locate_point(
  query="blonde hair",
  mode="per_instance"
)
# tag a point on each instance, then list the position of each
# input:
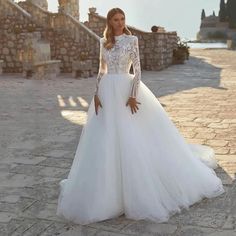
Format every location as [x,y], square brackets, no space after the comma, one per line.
[109,32]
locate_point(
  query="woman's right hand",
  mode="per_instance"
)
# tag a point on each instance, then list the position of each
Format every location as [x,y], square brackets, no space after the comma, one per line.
[133,104]
[97,103]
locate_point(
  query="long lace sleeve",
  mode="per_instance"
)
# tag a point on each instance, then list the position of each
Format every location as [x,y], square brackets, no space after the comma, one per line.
[102,66]
[136,67]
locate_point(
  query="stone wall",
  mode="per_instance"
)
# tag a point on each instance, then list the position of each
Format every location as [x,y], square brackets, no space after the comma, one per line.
[70,7]
[69,42]
[69,39]
[42,3]
[15,23]
[156,49]
[43,17]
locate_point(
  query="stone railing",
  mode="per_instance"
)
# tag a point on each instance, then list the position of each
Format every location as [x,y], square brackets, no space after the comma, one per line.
[17,29]
[73,26]
[14,23]
[69,38]
[72,41]
[51,20]
[8,6]
[43,17]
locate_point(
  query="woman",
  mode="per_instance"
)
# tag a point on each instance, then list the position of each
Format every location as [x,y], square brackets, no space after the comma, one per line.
[131,159]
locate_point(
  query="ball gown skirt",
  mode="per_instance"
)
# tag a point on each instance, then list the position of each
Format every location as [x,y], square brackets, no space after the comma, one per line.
[134,164]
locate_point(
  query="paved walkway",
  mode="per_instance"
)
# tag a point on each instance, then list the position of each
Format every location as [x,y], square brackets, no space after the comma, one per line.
[41,121]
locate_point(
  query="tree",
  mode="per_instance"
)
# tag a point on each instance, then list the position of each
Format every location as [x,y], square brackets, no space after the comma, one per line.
[231,12]
[222,12]
[203,14]
[214,13]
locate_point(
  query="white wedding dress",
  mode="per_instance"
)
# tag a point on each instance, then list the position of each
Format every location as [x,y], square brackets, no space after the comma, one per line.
[133,164]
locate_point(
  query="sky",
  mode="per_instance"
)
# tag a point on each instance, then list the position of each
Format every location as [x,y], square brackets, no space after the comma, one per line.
[183,16]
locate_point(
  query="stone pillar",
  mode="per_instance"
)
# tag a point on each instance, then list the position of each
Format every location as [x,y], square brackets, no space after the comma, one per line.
[231,44]
[70,7]
[41,3]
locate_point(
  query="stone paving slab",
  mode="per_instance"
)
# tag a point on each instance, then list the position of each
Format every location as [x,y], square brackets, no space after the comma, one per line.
[41,122]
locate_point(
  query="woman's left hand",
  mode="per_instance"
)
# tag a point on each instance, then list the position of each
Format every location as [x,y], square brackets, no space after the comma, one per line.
[133,104]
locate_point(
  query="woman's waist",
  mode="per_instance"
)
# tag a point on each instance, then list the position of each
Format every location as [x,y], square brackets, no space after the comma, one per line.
[118,75]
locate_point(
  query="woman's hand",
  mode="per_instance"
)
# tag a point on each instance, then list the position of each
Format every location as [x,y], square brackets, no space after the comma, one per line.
[97,103]
[133,104]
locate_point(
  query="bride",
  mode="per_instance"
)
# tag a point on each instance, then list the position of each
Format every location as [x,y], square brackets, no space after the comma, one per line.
[131,159]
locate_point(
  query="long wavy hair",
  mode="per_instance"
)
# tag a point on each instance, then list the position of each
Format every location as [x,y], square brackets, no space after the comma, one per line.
[108,33]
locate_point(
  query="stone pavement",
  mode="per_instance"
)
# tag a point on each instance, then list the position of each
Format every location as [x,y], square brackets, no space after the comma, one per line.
[41,121]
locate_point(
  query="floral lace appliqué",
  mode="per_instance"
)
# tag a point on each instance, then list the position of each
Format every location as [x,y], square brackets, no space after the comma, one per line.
[119,59]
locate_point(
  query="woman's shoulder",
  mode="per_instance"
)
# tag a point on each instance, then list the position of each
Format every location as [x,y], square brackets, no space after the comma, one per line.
[129,37]
[132,38]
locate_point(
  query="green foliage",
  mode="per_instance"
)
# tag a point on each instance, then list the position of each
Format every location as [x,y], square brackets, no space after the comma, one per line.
[181,53]
[231,12]
[217,35]
[203,14]
[223,11]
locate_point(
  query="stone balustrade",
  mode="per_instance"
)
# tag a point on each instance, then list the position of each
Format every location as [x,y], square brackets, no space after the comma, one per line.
[82,69]
[10,7]
[70,40]
[46,69]
[43,17]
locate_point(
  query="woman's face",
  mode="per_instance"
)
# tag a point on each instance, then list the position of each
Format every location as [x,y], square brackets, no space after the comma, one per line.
[118,22]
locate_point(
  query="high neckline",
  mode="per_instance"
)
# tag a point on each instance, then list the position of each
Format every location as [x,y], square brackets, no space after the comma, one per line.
[119,36]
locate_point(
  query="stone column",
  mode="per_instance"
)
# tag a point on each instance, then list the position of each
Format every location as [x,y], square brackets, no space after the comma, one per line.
[70,7]
[75,8]
[41,3]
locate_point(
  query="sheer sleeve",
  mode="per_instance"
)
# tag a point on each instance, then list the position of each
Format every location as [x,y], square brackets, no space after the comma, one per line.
[102,66]
[136,68]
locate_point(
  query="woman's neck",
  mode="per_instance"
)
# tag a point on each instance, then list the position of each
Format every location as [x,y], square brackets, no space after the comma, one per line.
[118,33]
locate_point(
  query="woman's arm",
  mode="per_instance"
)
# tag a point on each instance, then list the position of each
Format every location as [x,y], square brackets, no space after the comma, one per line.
[102,66]
[134,55]
[136,67]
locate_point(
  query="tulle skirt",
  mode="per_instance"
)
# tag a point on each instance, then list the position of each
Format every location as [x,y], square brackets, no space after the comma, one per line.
[134,164]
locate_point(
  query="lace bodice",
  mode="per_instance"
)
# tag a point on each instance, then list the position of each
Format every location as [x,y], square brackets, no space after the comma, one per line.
[119,59]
